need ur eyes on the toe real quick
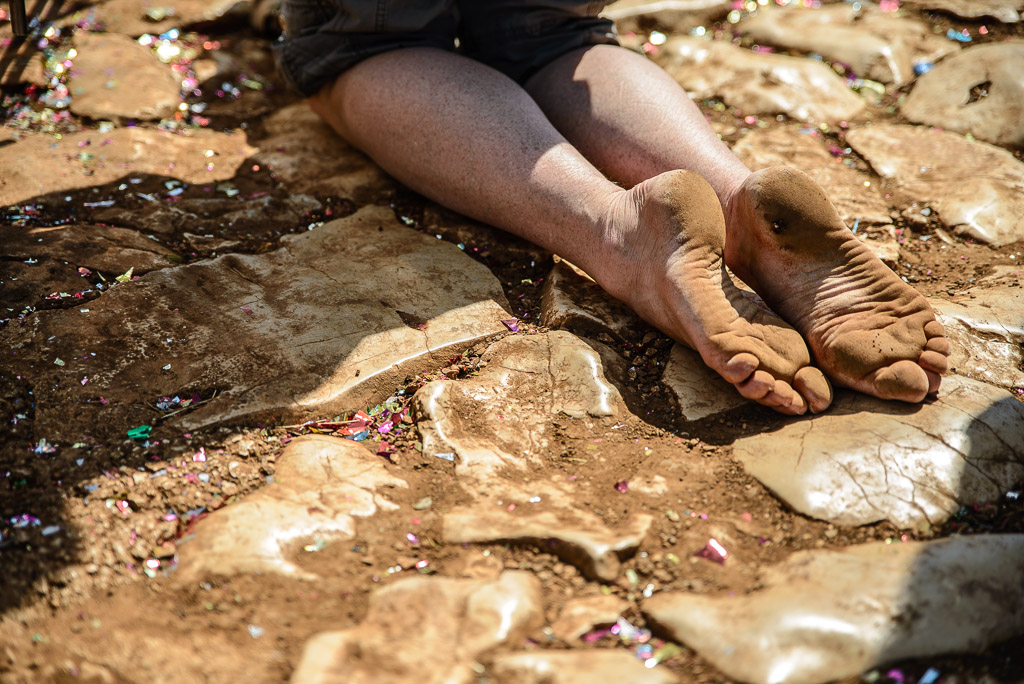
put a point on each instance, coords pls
(785, 399)
(903, 380)
(934, 361)
(740, 368)
(934, 329)
(814, 387)
(756, 387)
(934, 380)
(938, 344)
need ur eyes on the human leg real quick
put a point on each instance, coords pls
(470, 138)
(866, 328)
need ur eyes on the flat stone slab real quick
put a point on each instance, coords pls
(875, 44)
(979, 91)
(39, 164)
(571, 300)
(699, 391)
(309, 157)
(756, 83)
(577, 667)
(867, 460)
(822, 616)
(134, 18)
(677, 16)
(931, 165)
(114, 77)
(581, 615)
(528, 381)
(321, 485)
(425, 629)
(800, 148)
(985, 328)
(99, 248)
(335, 318)
(198, 215)
(578, 539)
(1008, 11)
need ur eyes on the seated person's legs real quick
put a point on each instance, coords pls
(866, 328)
(469, 137)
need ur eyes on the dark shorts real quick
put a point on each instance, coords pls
(323, 38)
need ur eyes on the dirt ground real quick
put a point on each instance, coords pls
(80, 587)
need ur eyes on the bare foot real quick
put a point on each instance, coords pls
(867, 329)
(671, 232)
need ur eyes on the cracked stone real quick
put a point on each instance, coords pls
(985, 330)
(1008, 11)
(500, 418)
(676, 16)
(756, 83)
(321, 485)
(699, 390)
(445, 622)
(573, 301)
(575, 537)
(790, 146)
(116, 78)
(979, 91)
(868, 460)
(309, 157)
(577, 667)
(829, 615)
(133, 18)
(930, 165)
(315, 327)
(100, 248)
(581, 615)
(875, 44)
(90, 158)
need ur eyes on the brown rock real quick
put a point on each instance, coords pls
(337, 316)
(877, 45)
(320, 486)
(134, 18)
(100, 248)
(581, 615)
(979, 91)
(868, 460)
(1004, 10)
(428, 630)
(700, 391)
(829, 615)
(39, 165)
(677, 16)
(577, 667)
(758, 83)
(932, 165)
(856, 202)
(114, 77)
(308, 156)
(571, 300)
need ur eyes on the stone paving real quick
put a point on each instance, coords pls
(537, 450)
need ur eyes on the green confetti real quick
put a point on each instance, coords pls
(141, 432)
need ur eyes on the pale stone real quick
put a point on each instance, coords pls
(26, 65)
(39, 165)
(581, 615)
(979, 91)
(337, 317)
(976, 188)
(830, 615)
(574, 537)
(425, 629)
(857, 203)
(308, 156)
(677, 16)
(875, 44)
(758, 83)
(100, 248)
(134, 18)
(985, 329)
(529, 380)
(114, 77)
(577, 667)
(887, 250)
(321, 485)
(867, 460)
(573, 301)
(1004, 10)
(700, 391)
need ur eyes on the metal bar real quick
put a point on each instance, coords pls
(18, 20)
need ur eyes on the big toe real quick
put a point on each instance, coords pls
(903, 380)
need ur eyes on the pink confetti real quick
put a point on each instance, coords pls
(713, 551)
(622, 486)
(200, 455)
(247, 310)
(85, 380)
(422, 564)
(413, 539)
(512, 324)
(123, 507)
(152, 564)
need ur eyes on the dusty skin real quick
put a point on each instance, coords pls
(866, 329)
(677, 282)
